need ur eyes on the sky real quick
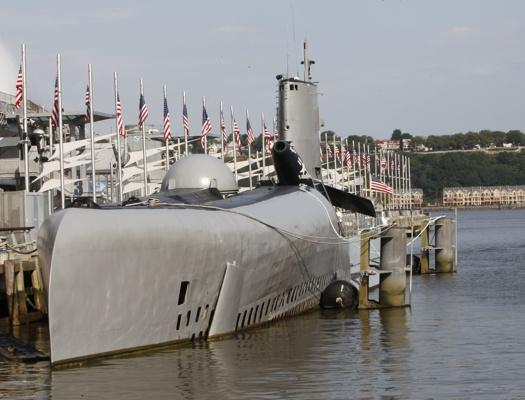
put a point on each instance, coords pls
(425, 67)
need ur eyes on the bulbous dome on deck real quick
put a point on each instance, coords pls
(199, 171)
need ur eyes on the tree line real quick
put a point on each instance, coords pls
(433, 172)
(464, 141)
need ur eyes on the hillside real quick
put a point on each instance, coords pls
(433, 172)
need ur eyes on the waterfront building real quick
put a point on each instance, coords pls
(484, 196)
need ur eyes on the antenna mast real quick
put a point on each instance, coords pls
(307, 62)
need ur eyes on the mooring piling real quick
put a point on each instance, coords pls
(392, 286)
(444, 245)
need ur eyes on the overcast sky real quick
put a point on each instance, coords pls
(425, 67)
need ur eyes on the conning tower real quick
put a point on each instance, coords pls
(298, 116)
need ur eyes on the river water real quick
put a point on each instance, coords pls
(463, 338)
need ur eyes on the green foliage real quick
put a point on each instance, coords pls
(433, 172)
(396, 134)
(466, 141)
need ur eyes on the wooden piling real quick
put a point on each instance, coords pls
(21, 296)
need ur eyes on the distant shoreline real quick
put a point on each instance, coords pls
(496, 207)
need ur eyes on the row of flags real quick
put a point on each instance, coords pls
(206, 127)
(377, 171)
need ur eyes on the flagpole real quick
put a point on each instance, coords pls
(249, 156)
(24, 121)
(342, 166)
(326, 154)
(334, 144)
(366, 149)
(144, 161)
(92, 133)
(119, 158)
(360, 165)
(61, 139)
(221, 117)
(410, 185)
(186, 133)
(263, 146)
(403, 180)
(234, 145)
(167, 158)
(205, 144)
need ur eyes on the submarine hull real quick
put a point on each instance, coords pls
(129, 278)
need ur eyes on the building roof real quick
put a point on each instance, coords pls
(72, 118)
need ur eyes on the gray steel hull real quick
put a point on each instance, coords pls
(113, 276)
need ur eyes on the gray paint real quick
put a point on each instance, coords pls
(112, 276)
(444, 240)
(298, 126)
(393, 258)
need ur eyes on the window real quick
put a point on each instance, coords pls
(183, 292)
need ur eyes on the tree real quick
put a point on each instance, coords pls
(517, 138)
(396, 134)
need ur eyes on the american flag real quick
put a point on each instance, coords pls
(237, 135)
(249, 131)
(206, 125)
(347, 157)
(143, 110)
(329, 150)
(87, 101)
(19, 88)
(185, 120)
(167, 124)
(377, 186)
(223, 128)
(337, 152)
(56, 110)
(120, 124)
(382, 165)
(267, 137)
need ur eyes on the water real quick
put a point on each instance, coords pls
(463, 338)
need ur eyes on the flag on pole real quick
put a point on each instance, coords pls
(237, 135)
(185, 120)
(382, 164)
(337, 152)
(206, 125)
(330, 153)
(19, 88)
(87, 101)
(346, 155)
(377, 186)
(249, 131)
(223, 128)
(54, 113)
(267, 137)
(143, 110)
(167, 124)
(120, 123)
